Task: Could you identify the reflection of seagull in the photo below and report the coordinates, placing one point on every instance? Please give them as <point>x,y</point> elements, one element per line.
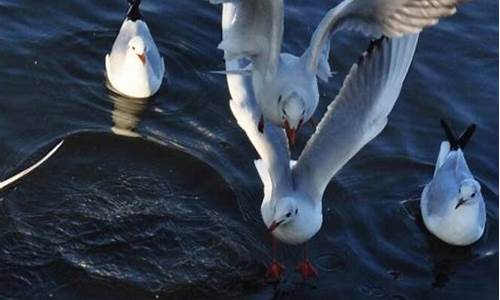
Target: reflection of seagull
<point>8,182</point>
<point>285,85</point>
<point>452,205</point>
<point>292,205</point>
<point>126,114</point>
<point>134,67</point>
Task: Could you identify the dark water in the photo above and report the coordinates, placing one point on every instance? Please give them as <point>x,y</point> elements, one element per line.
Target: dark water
<point>174,211</point>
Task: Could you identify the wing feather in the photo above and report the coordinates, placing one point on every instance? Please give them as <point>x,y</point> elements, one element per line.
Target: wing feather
<point>392,18</point>
<point>357,115</point>
<point>271,145</point>
<point>254,31</point>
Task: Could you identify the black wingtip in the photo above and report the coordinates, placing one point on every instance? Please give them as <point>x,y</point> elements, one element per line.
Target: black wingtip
<point>134,13</point>
<point>465,137</point>
<point>373,44</point>
<point>461,141</point>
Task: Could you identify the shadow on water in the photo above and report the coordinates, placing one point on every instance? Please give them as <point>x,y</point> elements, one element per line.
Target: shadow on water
<point>111,216</point>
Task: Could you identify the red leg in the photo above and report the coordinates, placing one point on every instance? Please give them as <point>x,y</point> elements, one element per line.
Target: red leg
<point>305,268</point>
<point>275,269</point>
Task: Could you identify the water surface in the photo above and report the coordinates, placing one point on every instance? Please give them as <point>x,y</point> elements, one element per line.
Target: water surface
<point>160,199</point>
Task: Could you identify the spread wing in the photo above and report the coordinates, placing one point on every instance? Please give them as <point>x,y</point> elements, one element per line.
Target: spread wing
<point>271,145</point>
<point>358,113</point>
<point>392,18</point>
<point>255,30</point>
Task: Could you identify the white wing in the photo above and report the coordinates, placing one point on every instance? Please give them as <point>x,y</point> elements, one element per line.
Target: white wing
<point>358,113</point>
<point>271,145</point>
<point>392,18</point>
<point>444,150</point>
<point>4,184</point>
<point>255,30</point>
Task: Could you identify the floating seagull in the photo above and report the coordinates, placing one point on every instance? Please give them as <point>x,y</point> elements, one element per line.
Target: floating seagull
<point>15,178</point>
<point>452,205</point>
<point>293,191</point>
<point>134,67</point>
<point>285,85</point>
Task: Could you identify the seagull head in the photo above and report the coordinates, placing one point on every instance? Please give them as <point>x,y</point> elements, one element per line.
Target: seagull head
<point>137,47</point>
<point>292,115</point>
<point>469,193</point>
<point>285,211</point>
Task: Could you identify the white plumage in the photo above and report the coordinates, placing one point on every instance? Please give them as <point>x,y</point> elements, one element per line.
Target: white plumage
<point>134,67</point>
<point>452,205</point>
<point>285,85</point>
<point>293,196</point>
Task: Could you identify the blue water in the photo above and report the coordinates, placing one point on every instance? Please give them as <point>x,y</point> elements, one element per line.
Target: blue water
<point>174,212</point>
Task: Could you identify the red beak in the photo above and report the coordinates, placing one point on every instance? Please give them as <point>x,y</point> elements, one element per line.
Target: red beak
<point>142,57</point>
<point>274,225</point>
<point>290,133</point>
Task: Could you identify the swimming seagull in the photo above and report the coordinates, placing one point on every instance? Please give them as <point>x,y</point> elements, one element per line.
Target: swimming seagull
<point>285,85</point>
<point>134,67</point>
<point>293,191</point>
<point>452,206</point>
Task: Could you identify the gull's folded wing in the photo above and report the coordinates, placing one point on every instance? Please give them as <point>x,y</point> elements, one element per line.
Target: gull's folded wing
<point>271,145</point>
<point>392,18</point>
<point>358,113</point>
<point>255,30</point>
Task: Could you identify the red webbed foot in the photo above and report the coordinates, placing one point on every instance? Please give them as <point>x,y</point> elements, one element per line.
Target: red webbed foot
<point>275,271</point>
<point>307,270</point>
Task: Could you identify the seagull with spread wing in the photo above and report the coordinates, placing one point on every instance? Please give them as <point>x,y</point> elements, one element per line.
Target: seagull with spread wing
<point>285,85</point>
<point>293,191</point>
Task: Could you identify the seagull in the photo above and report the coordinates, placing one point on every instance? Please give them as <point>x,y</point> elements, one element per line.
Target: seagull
<point>293,190</point>
<point>452,205</point>
<point>285,85</point>
<point>134,67</point>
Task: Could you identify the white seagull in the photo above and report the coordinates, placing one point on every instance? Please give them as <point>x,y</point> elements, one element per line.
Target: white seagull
<point>285,85</point>
<point>134,67</point>
<point>293,191</point>
<point>452,205</point>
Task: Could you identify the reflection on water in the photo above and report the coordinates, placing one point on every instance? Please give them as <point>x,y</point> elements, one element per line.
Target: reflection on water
<point>126,114</point>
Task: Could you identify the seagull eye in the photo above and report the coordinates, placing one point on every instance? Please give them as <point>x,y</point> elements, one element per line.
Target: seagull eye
<point>473,195</point>
<point>296,211</point>
<point>133,47</point>
<point>288,215</point>
<point>279,99</point>
<point>284,112</point>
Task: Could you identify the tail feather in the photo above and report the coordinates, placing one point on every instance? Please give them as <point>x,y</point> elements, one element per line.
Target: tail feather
<point>134,13</point>
<point>458,142</point>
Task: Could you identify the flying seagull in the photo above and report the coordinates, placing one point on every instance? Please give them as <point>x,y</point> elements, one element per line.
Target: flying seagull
<point>293,191</point>
<point>285,85</point>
